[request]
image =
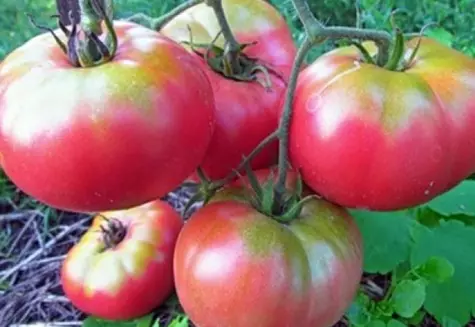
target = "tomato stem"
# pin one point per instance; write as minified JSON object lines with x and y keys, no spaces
{"x":316,"y":32}
{"x":283,"y":130}
{"x":232,"y":47}
{"x":157,"y":23}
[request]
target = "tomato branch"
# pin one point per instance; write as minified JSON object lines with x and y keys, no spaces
{"x":232,"y":47}
{"x":316,"y":31}
{"x":283,"y":130}
{"x":157,"y":23}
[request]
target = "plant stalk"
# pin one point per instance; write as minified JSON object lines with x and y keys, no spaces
{"x":283,"y":131}
{"x":316,"y":31}
{"x":232,"y":47}
{"x":157,"y":23}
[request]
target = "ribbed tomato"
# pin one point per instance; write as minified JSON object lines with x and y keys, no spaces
{"x":246,"y":111}
{"x":122,"y":268}
{"x":236,"y":267}
{"x":106,"y":137}
{"x":366,"y":137}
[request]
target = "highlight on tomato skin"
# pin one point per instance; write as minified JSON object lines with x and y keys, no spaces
{"x":234,"y":266}
{"x":246,"y":112}
{"x":366,"y":137}
{"x":122,"y":267}
{"x":107,"y":137}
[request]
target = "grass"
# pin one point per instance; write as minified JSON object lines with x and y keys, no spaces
{"x":456,"y":16}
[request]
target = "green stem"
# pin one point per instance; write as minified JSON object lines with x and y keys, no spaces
{"x":157,"y":23}
{"x":316,"y":31}
{"x":232,"y":47}
{"x":90,"y":21}
{"x":265,"y":142}
{"x":286,"y":117}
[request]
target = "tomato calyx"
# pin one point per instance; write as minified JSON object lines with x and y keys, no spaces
{"x":84,"y":47}
{"x":113,"y":232}
{"x":396,"y":61}
{"x":283,"y":207}
{"x":234,"y":64}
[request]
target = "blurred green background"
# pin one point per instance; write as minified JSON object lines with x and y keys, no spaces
{"x":455,"y":17}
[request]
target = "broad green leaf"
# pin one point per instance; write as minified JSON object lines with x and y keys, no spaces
{"x":455,"y":242}
{"x":96,"y":322}
{"x":386,"y":239}
{"x":376,"y":323}
{"x":358,"y":313}
{"x":181,"y":321}
{"x":408,"y":297}
{"x":436,"y":269}
{"x":440,"y":34}
{"x":396,"y":323}
{"x":458,"y":200}
{"x":447,"y":322}
{"x":145,"y":321}
{"x":417,"y":319}
{"x":431,"y":218}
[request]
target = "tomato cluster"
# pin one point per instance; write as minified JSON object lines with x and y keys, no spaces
{"x":116,"y":137}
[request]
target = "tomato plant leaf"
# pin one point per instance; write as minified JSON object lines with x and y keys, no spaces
{"x":395,"y":323}
{"x":386,"y":238}
{"x":436,"y":269}
{"x":455,"y":242}
{"x":97,"y":322}
{"x":358,"y":313}
{"x":408,"y":297}
{"x":431,"y":218}
{"x":447,"y":322}
{"x":376,"y":323}
{"x":458,"y":200}
{"x":180,"y":321}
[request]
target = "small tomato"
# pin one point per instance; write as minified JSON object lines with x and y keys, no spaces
{"x":122,"y":267}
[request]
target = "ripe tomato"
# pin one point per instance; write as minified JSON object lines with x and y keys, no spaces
{"x":366,"y":137}
{"x":124,"y":279}
{"x":107,"y":137}
{"x":246,"y":112}
{"x":234,"y":266}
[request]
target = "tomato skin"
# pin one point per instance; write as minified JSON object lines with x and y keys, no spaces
{"x":133,"y":278}
{"x":236,"y":267}
{"x":365,"y":137}
{"x":246,"y":112}
{"x":108,"y":137}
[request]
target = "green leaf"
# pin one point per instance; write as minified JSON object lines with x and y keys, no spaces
{"x":447,"y":322}
{"x":417,"y":319}
{"x":358,"y":313}
{"x":458,"y":200}
{"x":180,"y":321}
{"x":376,"y":323}
{"x":145,"y":321}
{"x":431,"y":218}
{"x":455,"y":242}
{"x":440,"y":34}
{"x":396,"y":323}
{"x":386,"y":238}
{"x":408,"y":297}
{"x":436,"y":269}
{"x":96,"y":322}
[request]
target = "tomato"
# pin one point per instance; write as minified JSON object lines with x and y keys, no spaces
{"x":246,"y":112}
{"x":124,"y":279}
{"x":107,"y":137}
{"x":366,"y":137}
{"x":234,"y":266}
